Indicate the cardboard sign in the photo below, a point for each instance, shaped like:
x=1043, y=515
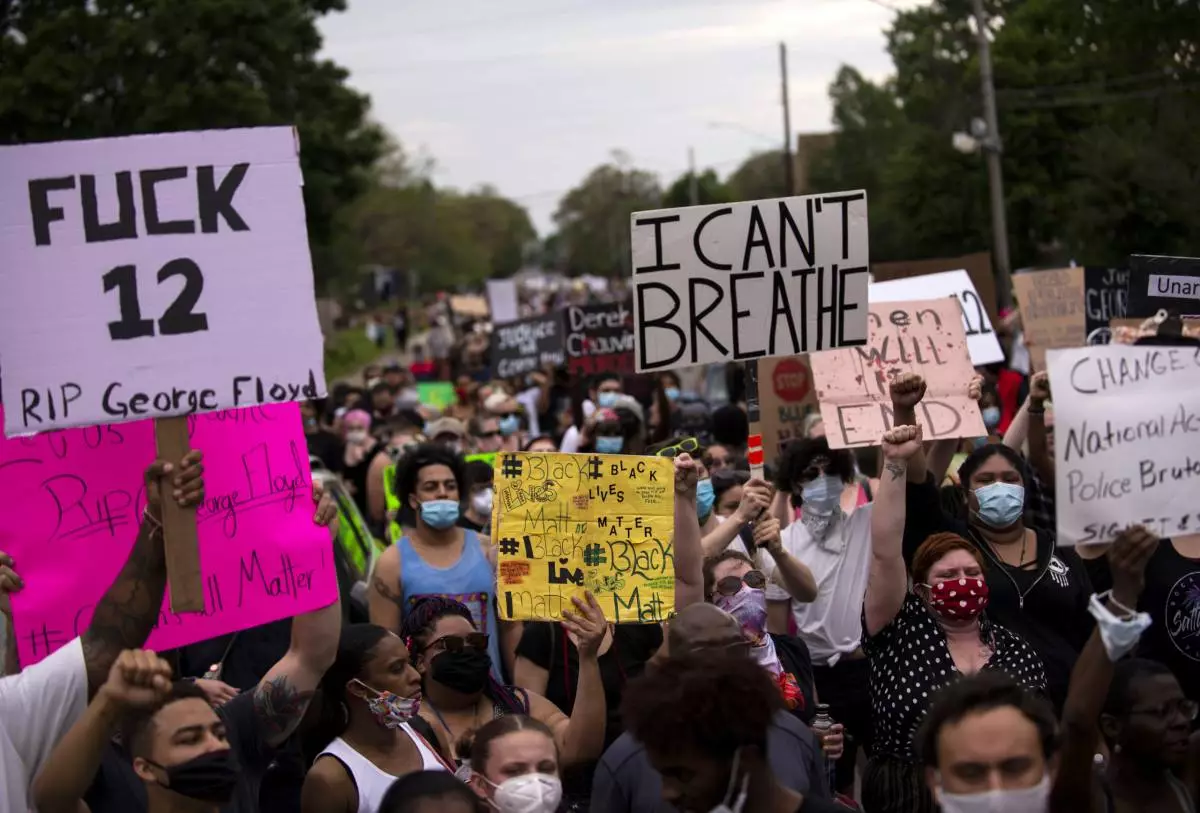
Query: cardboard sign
x=1052, y=307
x=733, y=282
x=1164, y=283
x=981, y=338
x=599, y=339
x=527, y=345
x=978, y=267
x=920, y=337
x=1127, y=440
x=573, y=522
x=1106, y=295
x=502, y=301
x=787, y=395
x=154, y=276
x=75, y=502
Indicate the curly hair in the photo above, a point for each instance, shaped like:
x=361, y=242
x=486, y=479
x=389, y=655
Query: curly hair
x=798, y=459
x=427, y=454
x=934, y=548
x=714, y=703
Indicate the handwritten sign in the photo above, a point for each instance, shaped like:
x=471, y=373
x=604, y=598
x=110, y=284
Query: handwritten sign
x=599, y=339
x=1106, y=294
x=981, y=338
x=740, y=281
x=920, y=337
x=1127, y=440
x=76, y=497
x=1164, y=283
x=1052, y=310
x=154, y=276
x=570, y=522
x=786, y=396
x=527, y=345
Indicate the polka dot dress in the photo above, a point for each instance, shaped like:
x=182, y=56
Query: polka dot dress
x=910, y=661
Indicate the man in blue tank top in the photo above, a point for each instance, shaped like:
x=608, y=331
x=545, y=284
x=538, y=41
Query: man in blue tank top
x=437, y=557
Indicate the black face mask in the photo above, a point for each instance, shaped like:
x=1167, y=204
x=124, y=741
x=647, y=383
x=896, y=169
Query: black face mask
x=210, y=777
x=464, y=671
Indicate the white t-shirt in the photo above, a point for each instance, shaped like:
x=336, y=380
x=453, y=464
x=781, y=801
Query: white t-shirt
x=37, y=707
x=529, y=400
x=831, y=625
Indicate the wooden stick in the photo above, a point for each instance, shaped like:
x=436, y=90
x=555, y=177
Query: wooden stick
x=179, y=524
x=754, y=443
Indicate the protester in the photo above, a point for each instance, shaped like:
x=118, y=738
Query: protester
x=477, y=507
x=717, y=458
x=602, y=393
x=322, y=443
x=540, y=444
x=919, y=638
x=429, y=792
x=514, y=765
x=39, y=705
x=485, y=433
x=447, y=432
x=383, y=402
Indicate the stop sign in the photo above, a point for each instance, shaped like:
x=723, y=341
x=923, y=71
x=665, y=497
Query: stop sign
x=791, y=380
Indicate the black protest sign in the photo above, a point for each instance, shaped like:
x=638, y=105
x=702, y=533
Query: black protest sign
x=1105, y=297
x=1163, y=283
x=527, y=345
x=599, y=339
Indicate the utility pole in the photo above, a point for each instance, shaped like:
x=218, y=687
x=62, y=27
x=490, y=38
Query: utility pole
x=789, y=167
x=993, y=149
x=693, y=182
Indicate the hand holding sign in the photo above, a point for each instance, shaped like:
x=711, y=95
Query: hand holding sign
x=187, y=486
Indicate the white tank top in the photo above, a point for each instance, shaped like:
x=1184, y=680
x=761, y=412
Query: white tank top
x=371, y=782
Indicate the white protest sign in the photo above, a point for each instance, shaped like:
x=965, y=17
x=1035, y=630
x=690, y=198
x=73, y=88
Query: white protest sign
x=502, y=301
x=740, y=281
x=154, y=276
x=1126, y=440
x=981, y=338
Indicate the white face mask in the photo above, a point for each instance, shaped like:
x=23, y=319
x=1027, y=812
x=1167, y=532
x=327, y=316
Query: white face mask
x=735, y=798
x=356, y=435
x=1026, y=800
x=482, y=502
x=528, y=793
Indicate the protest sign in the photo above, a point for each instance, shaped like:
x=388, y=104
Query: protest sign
x=566, y=523
x=786, y=396
x=918, y=337
x=741, y=281
x=1129, y=331
x=599, y=339
x=981, y=338
x=1052, y=310
x=437, y=394
x=1163, y=283
x=154, y=276
x=978, y=267
x=1127, y=440
x=502, y=301
x=527, y=345
x=1106, y=295
x=76, y=498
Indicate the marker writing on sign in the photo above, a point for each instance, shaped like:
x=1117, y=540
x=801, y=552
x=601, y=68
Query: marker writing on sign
x=1092, y=375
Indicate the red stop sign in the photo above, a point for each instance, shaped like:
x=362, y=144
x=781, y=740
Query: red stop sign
x=791, y=380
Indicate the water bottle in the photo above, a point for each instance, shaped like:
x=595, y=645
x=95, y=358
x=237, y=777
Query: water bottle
x=821, y=726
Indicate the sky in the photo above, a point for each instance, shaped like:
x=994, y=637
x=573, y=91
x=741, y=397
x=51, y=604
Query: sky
x=530, y=95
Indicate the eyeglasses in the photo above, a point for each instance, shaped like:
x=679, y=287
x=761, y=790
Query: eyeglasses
x=495, y=433
x=1183, y=706
x=688, y=445
x=457, y=643
x=729, y=585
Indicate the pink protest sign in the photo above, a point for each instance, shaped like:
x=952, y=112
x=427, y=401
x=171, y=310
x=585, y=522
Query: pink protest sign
x=925, y=337
x=75, y=499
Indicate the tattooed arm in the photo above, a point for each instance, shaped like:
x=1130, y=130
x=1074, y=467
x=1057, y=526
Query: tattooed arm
x=887, y=582
x=128, y=611
x=385, y=598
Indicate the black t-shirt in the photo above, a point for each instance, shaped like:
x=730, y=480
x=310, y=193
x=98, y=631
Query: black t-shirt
x=117, y=789
x=357, y=477
x=465, y=522
x=245, y=656
x=547, y=645
x=795, y=659
x=327, y=447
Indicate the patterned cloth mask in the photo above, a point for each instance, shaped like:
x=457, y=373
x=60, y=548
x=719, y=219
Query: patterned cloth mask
x=959, y=599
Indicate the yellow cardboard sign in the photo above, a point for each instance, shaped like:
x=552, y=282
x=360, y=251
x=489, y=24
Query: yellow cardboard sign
x=570, y=522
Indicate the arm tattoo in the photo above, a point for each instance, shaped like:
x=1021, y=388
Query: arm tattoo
x=391, y=595
x=129, y=609
x=897, y=468
x=279, y=706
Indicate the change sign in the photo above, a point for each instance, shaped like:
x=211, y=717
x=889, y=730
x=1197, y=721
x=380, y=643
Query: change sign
x=734, y=282
x=154, y=276
x=599, y=339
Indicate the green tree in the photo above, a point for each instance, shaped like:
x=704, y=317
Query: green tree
x=501, y=227
x=593, y=218
x=709, y=189
x=75, y=70
x=759, y=176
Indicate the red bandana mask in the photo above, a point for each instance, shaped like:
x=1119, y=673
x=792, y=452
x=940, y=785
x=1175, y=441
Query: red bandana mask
x=959, y=599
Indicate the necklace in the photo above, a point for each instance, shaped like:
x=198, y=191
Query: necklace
x=446, y=726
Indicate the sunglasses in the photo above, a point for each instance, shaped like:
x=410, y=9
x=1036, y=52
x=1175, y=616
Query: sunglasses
x=729, y=585
x=457, y=643
x=688, y=445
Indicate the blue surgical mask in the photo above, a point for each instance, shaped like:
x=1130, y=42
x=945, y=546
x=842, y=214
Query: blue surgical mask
x=609, y=444
x=439, y=514
x=1000, y=504
x=606, y=400
x=704, y=498
x=672, y=393
x=822, y=495
x=509, y=424
x=991, y=417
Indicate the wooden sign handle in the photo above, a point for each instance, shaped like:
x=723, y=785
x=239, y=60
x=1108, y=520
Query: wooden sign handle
x=179, y=524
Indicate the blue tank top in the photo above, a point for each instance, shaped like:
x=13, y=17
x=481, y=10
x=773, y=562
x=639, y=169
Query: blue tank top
x=470, y=580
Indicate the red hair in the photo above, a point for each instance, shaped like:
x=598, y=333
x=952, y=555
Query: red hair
x=934, y=548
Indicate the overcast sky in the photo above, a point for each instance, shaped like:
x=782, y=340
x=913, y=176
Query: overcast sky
x=529, y=95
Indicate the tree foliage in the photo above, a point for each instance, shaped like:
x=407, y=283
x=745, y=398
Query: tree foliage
x=762, y=175
x=709, y=189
